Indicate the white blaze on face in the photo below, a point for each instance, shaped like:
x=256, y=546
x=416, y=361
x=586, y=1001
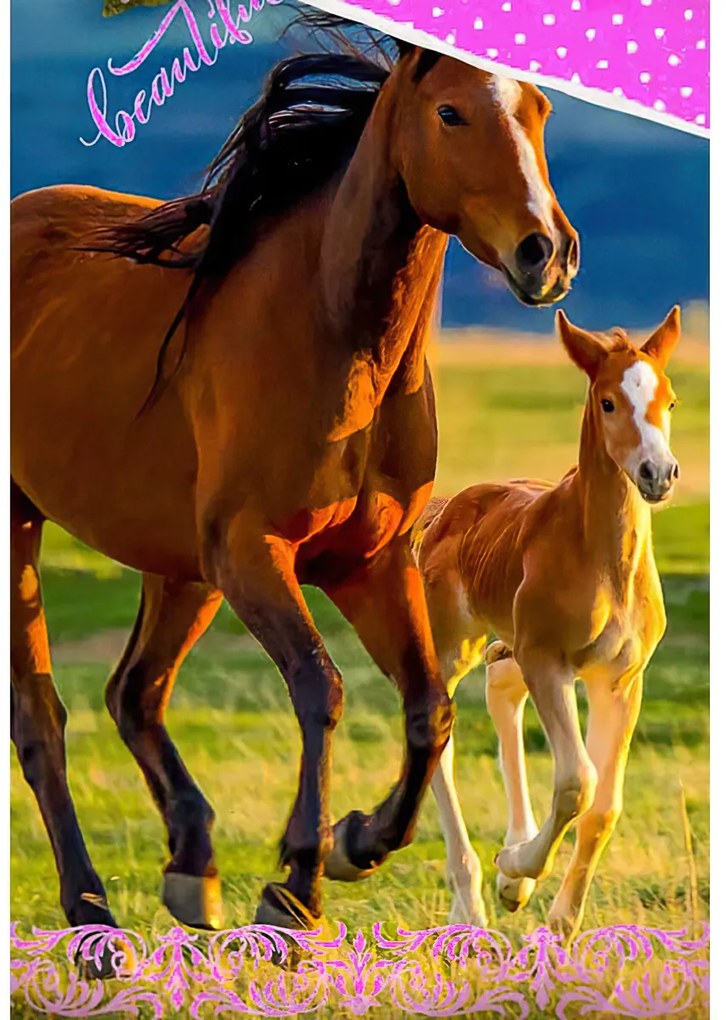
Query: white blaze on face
x=639, y=385
x=508, y=95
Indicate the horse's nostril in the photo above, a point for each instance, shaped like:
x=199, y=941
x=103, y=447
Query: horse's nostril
x=676, y=470
x=573, y=254
x=647, y=471
x=534, y=252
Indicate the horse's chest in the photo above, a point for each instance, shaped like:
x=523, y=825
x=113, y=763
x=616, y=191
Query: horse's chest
x=628, y=636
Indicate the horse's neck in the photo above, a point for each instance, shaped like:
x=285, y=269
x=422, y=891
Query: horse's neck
x=616, y=521
x=380, y=267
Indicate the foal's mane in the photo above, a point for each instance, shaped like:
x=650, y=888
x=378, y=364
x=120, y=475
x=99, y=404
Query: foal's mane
x=302, y=130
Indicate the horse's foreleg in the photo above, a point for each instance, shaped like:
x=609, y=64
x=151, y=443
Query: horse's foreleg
x=385, y=602
x=553, y=691
x=37, y=727
x=257, y=575
x=172, y=617
x=506, y=695
x=612, y=718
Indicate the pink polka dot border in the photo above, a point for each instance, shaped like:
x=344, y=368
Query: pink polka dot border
x=646, y=57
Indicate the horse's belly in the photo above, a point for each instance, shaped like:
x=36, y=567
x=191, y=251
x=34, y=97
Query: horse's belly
x=133, y=502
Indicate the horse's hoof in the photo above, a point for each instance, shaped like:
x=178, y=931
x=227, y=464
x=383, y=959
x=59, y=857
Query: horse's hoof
x=195, y=901
x=281, y=909
x=116, y=960
x=514, y=893
x=338, y=865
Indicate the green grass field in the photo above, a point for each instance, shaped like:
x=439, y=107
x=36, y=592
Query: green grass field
x=500, y=415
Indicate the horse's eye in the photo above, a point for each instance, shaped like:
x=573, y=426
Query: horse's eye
x=608, y=406
x=450, y=116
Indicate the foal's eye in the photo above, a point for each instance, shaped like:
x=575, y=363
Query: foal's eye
x=608, y=406
x=671, y=405
x=450, y=116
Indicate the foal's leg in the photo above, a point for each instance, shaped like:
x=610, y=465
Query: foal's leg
x=37, y=725
x=612, y=720
x=257, y=574
x=463, y=867
x=385, y=602
x=172, y=617
x=506, y=694
x=553, y=691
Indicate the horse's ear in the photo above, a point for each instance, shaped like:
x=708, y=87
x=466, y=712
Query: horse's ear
x=662, y=343
x=584, y=349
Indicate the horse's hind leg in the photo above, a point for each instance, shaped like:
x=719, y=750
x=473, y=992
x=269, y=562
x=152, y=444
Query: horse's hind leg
x=172, y=617
x=506, y=694
x=38, y=722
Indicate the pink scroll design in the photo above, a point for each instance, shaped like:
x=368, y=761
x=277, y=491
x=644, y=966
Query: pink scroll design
x=259, y=970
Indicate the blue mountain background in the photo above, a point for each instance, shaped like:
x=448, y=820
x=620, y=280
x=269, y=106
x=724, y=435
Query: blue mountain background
x=636, y=191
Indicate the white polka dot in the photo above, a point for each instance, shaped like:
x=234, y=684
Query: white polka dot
x=493, y=53
x=437, y=12
x=659, y=105
x=506, y=7
x=548, y=19
x=617, y=19
x=644, y=77
x=561, y=52
x=451, y=38
x=602, y=65
x=686, y=91
x=617, y=91
x=688, y=14
x=659, y=33
x=590, y=34
x=673, y=60
x=576, y=78
x=701, y=118
x=534, y=65
x=701, y=44
x=575, y=5
x=394, y=3
x=478, y=23
x=520, y=38
x=631, y=46
x=646, y=3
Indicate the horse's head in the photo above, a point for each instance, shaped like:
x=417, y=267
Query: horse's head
x=469, y=147
x=631, y=397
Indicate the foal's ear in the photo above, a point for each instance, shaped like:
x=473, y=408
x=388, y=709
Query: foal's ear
x=662, y=343
x=582, y=347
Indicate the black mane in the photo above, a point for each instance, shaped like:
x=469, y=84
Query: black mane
x=302, y=130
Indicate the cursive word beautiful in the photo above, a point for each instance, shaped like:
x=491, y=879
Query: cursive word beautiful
x=224, y=27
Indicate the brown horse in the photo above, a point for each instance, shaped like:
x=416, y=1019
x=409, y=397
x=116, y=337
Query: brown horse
x=294, y=441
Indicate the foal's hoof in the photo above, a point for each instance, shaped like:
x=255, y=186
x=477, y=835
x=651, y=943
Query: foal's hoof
x=281, y=909
x=514, y=893
x=338, y=864
x=496, y=651
x=195, y=901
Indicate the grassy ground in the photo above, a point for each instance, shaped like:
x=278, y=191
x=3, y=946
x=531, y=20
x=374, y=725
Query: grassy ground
x=503, y=412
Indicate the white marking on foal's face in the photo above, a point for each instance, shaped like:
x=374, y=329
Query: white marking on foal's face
x=639, y=385
x=508, y=95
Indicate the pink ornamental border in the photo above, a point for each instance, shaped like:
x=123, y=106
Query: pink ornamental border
x=645, y=57
x=622, y=971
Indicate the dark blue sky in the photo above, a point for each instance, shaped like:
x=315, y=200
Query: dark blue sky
x=637, y=192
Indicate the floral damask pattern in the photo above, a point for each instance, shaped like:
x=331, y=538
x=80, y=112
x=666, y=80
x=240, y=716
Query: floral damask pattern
x=620, y=971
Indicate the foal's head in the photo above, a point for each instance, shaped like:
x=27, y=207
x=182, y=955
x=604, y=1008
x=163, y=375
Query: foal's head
x=469, y=147
x=631, y=398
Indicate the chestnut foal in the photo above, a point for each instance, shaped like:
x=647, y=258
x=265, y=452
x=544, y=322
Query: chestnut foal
x=565, y=575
